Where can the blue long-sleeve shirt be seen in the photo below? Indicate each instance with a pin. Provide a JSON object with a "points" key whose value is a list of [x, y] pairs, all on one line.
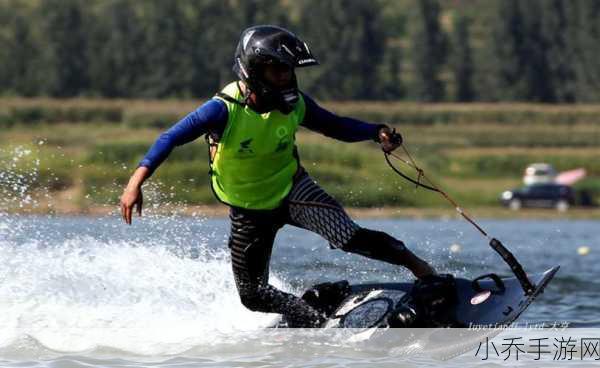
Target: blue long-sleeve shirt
{"points": [[211, 117]]}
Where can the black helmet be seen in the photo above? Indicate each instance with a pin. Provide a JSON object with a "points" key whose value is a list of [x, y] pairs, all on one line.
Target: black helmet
{"points": [[264, 45]]}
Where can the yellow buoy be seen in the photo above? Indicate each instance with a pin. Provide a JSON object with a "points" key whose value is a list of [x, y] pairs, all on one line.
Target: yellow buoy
{"points": [[583, 251]]}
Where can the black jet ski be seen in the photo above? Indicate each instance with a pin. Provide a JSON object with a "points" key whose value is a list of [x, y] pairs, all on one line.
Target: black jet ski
{"points": [[436, 301], [433, 302]]}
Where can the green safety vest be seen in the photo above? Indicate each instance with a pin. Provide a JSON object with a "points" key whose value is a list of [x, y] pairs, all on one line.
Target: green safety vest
{"points": [[255, 158]]}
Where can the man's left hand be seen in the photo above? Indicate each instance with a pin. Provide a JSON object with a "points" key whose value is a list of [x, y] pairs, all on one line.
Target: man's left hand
{"points": [[389, 139]]}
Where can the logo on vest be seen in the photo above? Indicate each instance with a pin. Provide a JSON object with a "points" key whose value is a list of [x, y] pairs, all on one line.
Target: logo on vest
{"points": [[283, 144], [284, 139], [245, 146], [281, 132]]}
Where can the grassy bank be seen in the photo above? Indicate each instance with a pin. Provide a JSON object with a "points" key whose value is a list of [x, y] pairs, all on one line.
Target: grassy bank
{"points": [[161, 113], [83, 151]]}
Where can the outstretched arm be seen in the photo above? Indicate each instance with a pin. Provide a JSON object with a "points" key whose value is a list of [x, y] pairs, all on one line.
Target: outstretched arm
{"points": [[212, 116]]}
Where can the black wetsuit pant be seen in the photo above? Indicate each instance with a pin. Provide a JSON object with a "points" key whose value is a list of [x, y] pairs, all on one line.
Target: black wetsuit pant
{"points": [[308, 207]]}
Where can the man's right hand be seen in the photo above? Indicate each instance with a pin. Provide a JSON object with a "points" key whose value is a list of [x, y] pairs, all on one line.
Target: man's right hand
{"points": [[389, 139], [132, 195]]}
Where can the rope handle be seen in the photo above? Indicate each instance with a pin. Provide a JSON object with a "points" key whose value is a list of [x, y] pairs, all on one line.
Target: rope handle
{"points": [[506, 255]]}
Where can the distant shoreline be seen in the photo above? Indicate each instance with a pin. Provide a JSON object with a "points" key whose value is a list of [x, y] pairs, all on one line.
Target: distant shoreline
{"points": [[221, 211]]}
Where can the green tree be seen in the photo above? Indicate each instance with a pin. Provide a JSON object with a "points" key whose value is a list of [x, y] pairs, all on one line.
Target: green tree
{"points": [[509, 60], [533, 51], [215, 40], [23, 61], [348, 40], [394, 21], [390, 71], [116, 42], [537, 71], [430, 50], [168, 68], [213, 46], [556, 29], [463, 66], [585, 38], [66, 36]]}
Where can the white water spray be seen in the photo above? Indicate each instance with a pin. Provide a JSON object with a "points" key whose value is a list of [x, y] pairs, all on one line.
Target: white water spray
{"points": [[84, 294]]}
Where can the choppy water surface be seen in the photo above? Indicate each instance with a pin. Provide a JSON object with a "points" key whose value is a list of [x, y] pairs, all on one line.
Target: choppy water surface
{"points": [[95, 292]]}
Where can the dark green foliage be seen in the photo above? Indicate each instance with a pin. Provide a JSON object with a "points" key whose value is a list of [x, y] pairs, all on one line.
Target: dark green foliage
{"points": [[213, 44], [23, 52], [534, 50], [167, 50], [430, 49], [392, 85], [65, 31], [348, 40], [584, 38], [463, 65], [119, 65], [556, 30], [510, 58], [538, 47]]}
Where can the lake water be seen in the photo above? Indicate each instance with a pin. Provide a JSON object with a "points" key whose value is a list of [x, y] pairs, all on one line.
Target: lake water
{"points": [[92, 292]]}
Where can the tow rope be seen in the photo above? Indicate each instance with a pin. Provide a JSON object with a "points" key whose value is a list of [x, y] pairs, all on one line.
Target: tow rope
{"points": [[506, 255]]}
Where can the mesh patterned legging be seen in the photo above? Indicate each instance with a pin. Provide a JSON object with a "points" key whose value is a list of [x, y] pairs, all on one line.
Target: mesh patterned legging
{"points": [[309, 207]]}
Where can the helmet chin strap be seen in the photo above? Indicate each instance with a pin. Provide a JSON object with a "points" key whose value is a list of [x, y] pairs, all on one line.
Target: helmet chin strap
{"points": [[270, 98], [290, 96]]}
